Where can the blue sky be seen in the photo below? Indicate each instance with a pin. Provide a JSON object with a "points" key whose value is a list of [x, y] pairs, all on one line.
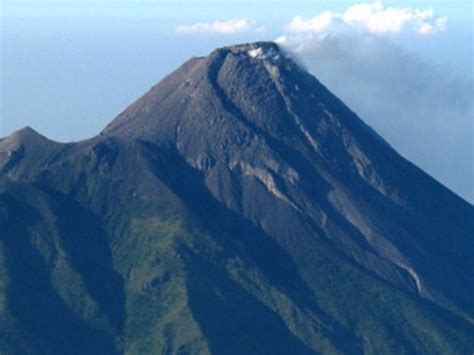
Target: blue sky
{"points": [[69, 66], [191, 9]]}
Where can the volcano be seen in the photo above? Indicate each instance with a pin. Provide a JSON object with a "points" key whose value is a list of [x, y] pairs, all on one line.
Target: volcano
{"points": [[238, 207]]}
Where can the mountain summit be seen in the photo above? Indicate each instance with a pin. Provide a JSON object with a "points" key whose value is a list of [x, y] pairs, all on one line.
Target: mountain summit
{"points": [[238, 207]]}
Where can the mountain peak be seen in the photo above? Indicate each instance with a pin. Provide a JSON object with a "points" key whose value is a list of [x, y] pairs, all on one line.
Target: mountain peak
{"points": [[24, 150], [26, 130], [260, 68], [21, 136]]}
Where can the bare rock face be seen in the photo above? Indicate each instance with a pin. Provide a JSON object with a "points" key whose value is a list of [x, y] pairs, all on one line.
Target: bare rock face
{"points": [[237, 207]]}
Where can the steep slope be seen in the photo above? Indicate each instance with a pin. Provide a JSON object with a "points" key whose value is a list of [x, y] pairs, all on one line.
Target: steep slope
{"points": [[237, 207], [315, 157]]}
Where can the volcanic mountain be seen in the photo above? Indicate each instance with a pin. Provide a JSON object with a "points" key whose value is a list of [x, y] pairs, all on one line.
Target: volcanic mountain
{"points": [[238, 207]]}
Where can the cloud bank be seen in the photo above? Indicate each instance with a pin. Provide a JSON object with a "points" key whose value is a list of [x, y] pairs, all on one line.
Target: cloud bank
{"points": [[372, 17], [232, 26]]}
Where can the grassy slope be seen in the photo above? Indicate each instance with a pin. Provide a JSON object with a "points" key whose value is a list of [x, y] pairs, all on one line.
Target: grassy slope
{"points": [[162, 283]]}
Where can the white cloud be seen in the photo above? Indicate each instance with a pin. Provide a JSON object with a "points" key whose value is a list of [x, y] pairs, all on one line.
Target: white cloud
{"points": [[315, 24], [231, 26], [376, 18], [427, 28], [373, 18]]}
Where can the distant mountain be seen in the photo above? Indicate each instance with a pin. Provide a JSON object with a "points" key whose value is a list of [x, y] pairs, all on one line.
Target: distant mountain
{"points": [[238, 207]]}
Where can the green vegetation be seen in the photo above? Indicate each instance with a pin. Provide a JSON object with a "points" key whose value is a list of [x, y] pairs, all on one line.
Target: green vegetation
{"points": [[153, 281]]}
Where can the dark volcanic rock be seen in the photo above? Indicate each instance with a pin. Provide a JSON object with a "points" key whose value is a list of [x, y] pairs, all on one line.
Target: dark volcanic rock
{"points": [[237, 207]]}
